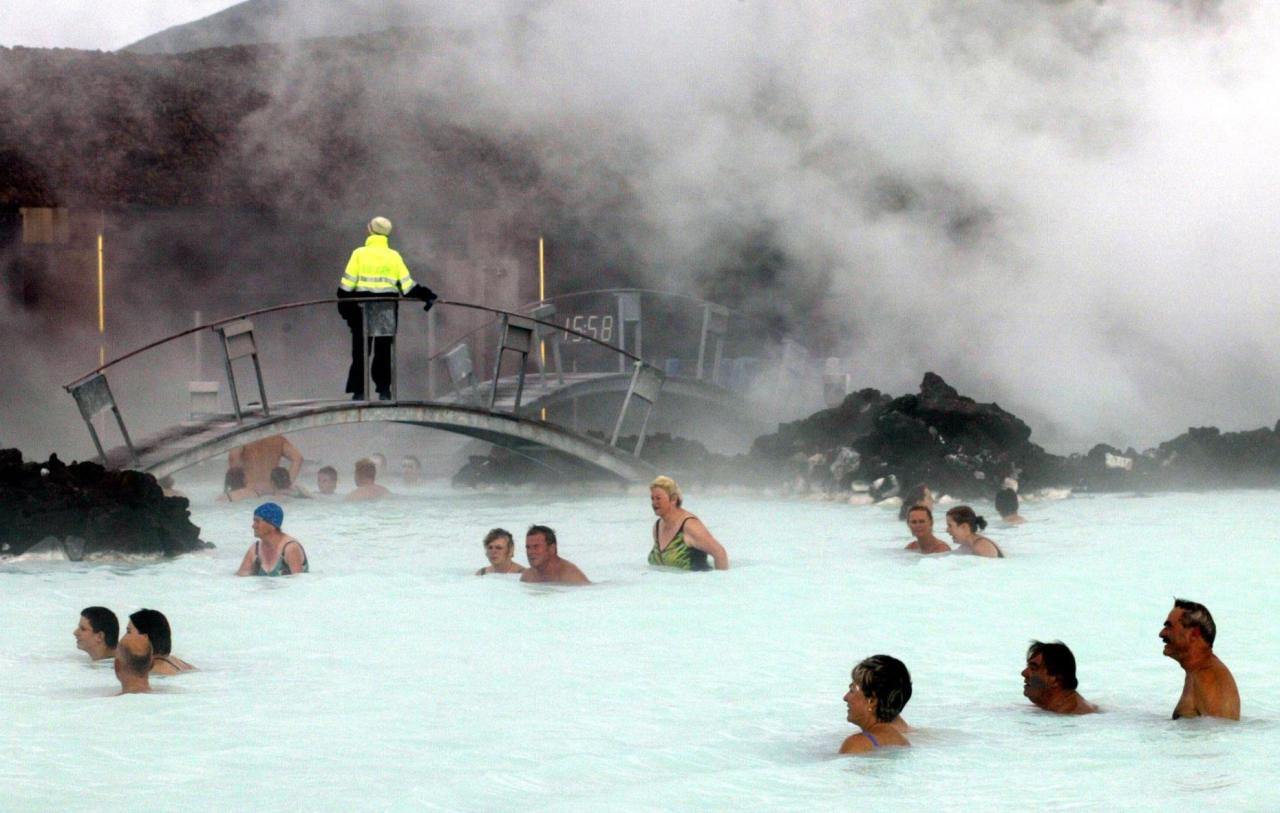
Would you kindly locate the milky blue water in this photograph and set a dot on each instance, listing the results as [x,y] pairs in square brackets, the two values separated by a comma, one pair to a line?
[391,678]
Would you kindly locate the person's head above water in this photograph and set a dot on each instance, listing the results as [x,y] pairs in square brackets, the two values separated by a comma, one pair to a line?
[670,487]
[920,520]
[1188,628]
[280,479]
[366,471]
[886,684]
[98,632]
[540,545]
[918,494]
[327,480]
[267,518]
[133,663]
[379,225]
[1006,502]
[155,626]
[964,515]
[234,479]
[1049,679]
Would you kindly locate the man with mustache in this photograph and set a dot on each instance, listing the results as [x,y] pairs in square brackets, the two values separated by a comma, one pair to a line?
[1208,690]
[1049,680]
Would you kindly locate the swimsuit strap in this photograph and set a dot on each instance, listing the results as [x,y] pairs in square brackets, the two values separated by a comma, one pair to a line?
[679,531]
[874,742]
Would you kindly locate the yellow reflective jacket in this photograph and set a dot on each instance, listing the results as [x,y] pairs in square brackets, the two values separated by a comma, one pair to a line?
[375,268]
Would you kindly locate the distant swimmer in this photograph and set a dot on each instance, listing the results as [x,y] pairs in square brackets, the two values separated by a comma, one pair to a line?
[367,488]
[260,457]
[327,480]
[410,470]
[918,494]
[963,526]
[880,689]
[680,540]
[1208,690]
[1049,679]
[155,627]
[97,633]
[283,486]
[275,553]
[920,521]
[501,550]
[133,664]
[545,564]
[234,486]
[1007,506]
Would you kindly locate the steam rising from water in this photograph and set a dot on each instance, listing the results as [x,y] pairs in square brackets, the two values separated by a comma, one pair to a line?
[1064,207]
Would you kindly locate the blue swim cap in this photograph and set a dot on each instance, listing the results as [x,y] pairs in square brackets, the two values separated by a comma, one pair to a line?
[270,512]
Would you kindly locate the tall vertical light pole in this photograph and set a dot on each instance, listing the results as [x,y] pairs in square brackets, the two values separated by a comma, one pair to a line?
[102,293]
[542,298]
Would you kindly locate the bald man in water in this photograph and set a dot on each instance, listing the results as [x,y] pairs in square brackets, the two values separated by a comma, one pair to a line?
[1208,690]
[133,664]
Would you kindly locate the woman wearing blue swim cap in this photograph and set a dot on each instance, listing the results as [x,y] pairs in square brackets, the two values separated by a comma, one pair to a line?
[275,553]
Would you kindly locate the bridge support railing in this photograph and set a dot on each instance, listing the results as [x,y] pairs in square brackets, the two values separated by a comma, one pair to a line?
[517,336]
[237,343]
[646,385]
[715,323]
[462,373]
[547,338]
[93,395]
[629,314]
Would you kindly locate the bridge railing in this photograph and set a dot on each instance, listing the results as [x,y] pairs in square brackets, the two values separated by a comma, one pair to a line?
[240,341]
[618,316]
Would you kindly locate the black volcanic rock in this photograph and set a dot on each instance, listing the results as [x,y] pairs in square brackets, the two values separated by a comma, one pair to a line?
[90,510]
[936,436]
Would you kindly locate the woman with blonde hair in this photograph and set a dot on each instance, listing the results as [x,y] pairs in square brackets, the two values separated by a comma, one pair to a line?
[680,540]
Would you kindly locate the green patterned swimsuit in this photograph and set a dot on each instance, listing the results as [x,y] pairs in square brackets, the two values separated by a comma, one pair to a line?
[678,553]
[281,567]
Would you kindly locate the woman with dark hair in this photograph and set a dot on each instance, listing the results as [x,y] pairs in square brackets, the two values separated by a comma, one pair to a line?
[155,626]
[235,487]
[963,525]
[879,690]
[918,494]
[1007,506]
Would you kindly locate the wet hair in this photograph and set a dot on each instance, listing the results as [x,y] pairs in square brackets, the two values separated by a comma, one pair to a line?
[279,479]
[500,533]
[913,498]
[328,470]
[886,679]
[366,470]
[155,626]
[544,530]
[1198,616]
[136,663]
[668,485]
[1058,661]
[917,507]
[104,621]
[964,515]
[1006,502]
[233,480]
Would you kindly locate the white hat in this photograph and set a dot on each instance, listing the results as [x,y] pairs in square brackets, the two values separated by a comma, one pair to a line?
[379,225]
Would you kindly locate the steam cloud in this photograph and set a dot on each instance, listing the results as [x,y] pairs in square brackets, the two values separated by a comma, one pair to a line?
[1060,206]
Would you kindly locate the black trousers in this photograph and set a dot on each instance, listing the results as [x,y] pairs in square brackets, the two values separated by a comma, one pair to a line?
[380,349]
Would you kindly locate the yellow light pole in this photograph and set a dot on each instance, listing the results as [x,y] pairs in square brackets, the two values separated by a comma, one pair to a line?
[102,296]
[542,298]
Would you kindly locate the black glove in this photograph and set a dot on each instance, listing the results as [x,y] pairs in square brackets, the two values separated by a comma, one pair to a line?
[424,293]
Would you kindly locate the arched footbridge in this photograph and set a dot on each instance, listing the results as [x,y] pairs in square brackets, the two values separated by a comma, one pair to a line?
[509,410]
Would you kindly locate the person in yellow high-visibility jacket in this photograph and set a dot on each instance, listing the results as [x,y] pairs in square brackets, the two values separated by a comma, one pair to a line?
[375,269]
